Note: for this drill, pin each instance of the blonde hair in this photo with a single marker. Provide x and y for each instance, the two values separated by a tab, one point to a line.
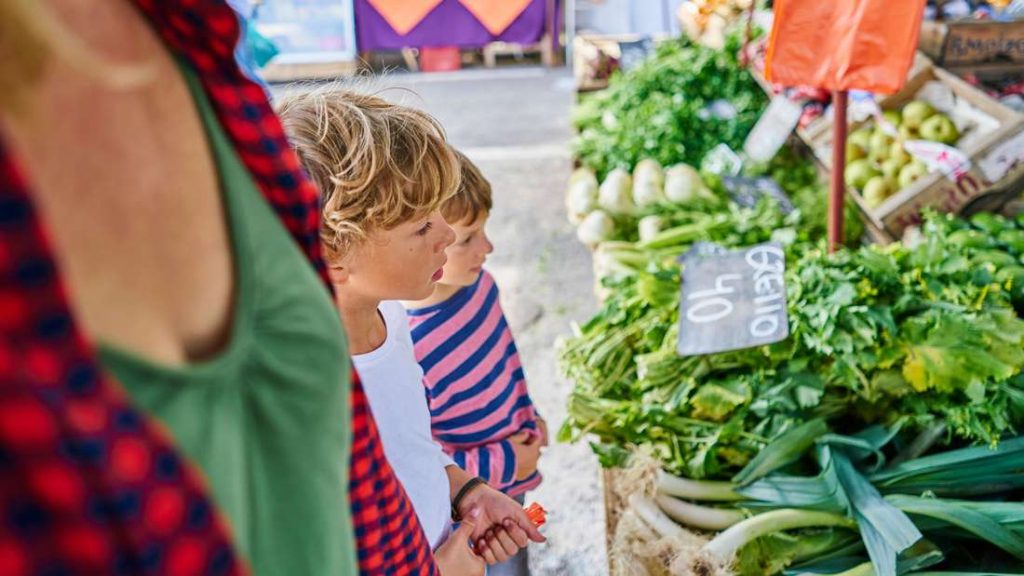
473	198
376	164
31	36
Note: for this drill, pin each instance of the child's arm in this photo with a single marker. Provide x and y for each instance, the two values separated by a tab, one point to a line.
502	463
495	462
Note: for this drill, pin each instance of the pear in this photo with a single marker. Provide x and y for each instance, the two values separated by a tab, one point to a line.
859	172
860	138
916	112
877	190
939	128
897	152
912	172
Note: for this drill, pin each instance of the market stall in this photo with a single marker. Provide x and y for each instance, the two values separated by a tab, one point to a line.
763	406
314	38
398	24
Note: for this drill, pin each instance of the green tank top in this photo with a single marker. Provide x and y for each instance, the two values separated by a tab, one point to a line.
267	420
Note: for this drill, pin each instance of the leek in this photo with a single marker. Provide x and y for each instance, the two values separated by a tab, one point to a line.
972	520
701	490
725	545
695	516
784	450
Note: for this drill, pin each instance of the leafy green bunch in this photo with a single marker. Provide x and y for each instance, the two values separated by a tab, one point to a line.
675	107
924	335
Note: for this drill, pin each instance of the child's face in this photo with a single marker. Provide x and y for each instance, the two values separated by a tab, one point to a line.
403	263
467	255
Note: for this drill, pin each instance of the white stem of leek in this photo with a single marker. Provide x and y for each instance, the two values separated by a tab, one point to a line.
702	517
649	512
726	544
700	490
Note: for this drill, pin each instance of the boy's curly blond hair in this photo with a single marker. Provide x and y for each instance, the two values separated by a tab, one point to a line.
376	164
473	199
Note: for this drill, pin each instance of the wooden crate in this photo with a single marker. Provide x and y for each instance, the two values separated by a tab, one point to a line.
972	42
823	125
935	190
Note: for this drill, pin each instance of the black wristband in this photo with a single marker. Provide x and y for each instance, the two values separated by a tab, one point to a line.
469	485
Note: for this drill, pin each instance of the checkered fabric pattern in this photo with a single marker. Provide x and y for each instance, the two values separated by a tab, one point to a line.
87	484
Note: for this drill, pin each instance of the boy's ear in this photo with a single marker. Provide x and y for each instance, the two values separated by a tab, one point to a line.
338	273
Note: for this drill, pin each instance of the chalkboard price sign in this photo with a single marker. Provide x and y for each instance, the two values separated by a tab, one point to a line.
748	191
732	300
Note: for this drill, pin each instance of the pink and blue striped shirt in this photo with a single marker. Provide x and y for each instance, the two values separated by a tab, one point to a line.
474	381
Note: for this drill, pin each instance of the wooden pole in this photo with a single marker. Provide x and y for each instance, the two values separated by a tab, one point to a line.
836	202
748	35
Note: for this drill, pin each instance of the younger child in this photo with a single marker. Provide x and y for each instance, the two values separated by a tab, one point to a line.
480	409
383	170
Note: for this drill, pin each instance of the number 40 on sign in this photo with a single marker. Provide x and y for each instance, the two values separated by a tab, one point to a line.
732	300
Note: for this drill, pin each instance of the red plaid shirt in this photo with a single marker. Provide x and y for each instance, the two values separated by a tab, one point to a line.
87	484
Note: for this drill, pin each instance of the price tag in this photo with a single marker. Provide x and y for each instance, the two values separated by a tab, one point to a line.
773	129
748	191
951	162
633	53
722	160
731	300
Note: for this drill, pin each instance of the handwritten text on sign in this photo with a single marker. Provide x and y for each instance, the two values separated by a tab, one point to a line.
732	299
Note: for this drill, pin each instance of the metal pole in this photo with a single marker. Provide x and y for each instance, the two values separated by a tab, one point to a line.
569	21
836	202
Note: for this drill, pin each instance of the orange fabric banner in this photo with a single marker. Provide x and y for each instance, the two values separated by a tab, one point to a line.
496	15
844	44
404	15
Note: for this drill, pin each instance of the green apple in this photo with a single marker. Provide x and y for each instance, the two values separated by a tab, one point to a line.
877	190
891	169
939	128
908	133
859	172
916	112
880	145
897	152
893	117
854	152
861	138
912	172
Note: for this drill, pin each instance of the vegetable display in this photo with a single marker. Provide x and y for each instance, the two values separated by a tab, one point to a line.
884	435
922	341
673	108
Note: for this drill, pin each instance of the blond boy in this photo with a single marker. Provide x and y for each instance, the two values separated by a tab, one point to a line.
383	171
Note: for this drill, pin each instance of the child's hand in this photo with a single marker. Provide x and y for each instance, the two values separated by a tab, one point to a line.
526	446
497	545
542	427
455	557
499	511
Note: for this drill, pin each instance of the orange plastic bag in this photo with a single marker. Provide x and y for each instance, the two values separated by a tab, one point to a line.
844	44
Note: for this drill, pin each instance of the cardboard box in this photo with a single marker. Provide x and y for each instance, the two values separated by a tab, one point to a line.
969	42
996	158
